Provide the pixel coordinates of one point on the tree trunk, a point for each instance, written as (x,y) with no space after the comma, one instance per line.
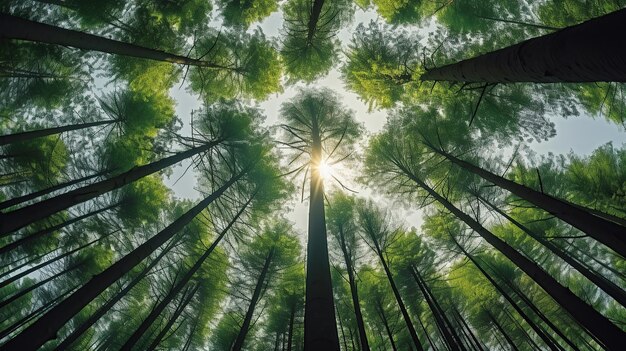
(255,299)
(383,317)
(445,328)
(396,294)
(343,335)
(606,285)
(314,17)
(179,310)
(25,136)
(48,262)
(320,326)
(354,292)
(102,310)
(291,320)
(494,321)
(606,232)
(40,233)
(587,52)
(588,317)
(19,218)
(46,327)
(36,194)
(180,285)
(12,27)
(460,318)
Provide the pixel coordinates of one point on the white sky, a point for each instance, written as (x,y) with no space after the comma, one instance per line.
(581,134)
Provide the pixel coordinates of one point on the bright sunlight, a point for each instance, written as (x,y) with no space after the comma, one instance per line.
(326,170)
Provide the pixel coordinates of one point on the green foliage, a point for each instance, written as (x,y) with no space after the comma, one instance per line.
(246,12)
(141,201)
(43,160)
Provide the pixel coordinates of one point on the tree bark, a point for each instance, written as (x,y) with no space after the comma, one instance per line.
(354,292)
(25,136)
(19,218)
(46,327)
(255,299)
(396,294)
(320,326)
(584,314)
(179,286)
(12,27)
(609,233)
(587,52)
(36,194)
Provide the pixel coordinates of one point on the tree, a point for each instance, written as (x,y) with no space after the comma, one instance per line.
(319,130)
(246,12)
(555,57)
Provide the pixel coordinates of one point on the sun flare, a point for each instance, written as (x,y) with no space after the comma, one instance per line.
(326,170)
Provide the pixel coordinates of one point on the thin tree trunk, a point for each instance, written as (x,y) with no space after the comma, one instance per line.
(314,17)
(36,194)
(102,310)
(320,327)
(606,232)
(530,340)
(40,233)
(519,23)
(12,27)
(343,335)
(19,218)
(453,343)
(46,327)
(460,318)
(606,285)
(396,294)
(587,52)
(383,317)
(354,292)
(430,341)
(291,320)
(585,253)
(25,136)
(179,286)
(48,262)
(179,310)
(501,330)
(253,302)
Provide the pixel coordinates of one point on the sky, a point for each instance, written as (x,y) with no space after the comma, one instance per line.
(581,134)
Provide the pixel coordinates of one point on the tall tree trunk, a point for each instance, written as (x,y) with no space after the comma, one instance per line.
(19,218)
(12,27)
(383,317)
(396,294)
(475,340)
(606,232)
(102,310)
(49,262)
(495,322)
(253,302)
(606,285)
(292,316)
(354,292)
(25,136)
(320,327)
(179,310)
(46,327)
(314,17)
(36,194)
(38,234)
(343,334)
(587,52)
(444,327)
(180,285)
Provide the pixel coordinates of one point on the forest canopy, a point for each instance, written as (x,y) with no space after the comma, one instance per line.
(312,175)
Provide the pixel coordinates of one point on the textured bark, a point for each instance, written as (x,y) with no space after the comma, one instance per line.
(354,292)
(253,302)
(606,285)
(609,233)
(180,285)
(320,327)
(46,327)
(40,233)
(36,194)
(589,318)
(19,218)
(25,136)
(102,310)
(12,27)
(587,52)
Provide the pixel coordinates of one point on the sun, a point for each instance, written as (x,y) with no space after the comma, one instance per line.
(325,170)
